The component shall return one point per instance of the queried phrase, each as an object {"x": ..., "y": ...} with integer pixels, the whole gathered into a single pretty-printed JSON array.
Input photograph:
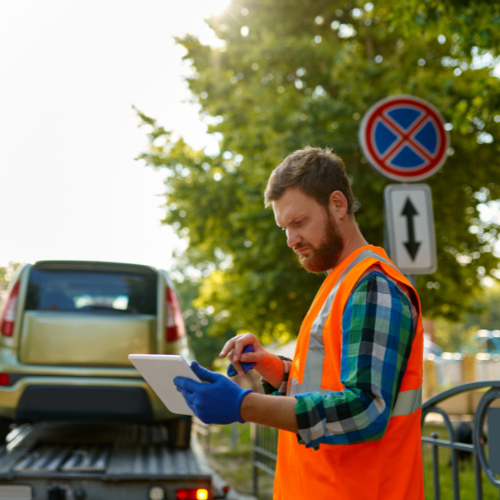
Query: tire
[
  {"x": 4, "y": 429},
  {"x": 179, "y": 432}
]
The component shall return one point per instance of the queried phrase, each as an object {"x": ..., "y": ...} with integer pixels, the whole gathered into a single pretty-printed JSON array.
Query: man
[{"x": 349, "y": 411}]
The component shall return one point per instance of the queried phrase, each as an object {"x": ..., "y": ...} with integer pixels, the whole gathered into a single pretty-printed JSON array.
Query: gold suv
[{"x": 66, "y": 330}]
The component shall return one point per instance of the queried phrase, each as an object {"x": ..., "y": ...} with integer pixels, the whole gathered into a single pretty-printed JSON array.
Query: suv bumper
[
  {"x": 59, "y": 402},
  {"x": 81, "y": 398}
]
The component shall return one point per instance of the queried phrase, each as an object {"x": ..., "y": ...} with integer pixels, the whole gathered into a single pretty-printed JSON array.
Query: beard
[{"x": 325, "y": 256}]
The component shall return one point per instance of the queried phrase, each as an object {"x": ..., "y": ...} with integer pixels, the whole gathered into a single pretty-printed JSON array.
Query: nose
[{"x": 292, "y": 238}]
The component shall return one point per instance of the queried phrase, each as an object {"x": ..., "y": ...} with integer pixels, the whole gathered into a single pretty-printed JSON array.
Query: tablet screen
[{"x": 159, "y": 371}]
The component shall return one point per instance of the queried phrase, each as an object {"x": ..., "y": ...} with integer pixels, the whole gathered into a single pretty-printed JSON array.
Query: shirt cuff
[
  {"x": 281, "y": 391},
  {"x": 308, "y": 418}
]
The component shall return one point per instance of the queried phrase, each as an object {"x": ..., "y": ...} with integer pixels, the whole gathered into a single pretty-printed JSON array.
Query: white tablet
[{"x": 159, "y": 371}]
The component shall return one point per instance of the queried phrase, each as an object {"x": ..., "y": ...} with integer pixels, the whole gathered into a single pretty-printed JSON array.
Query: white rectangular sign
[{"x": 410, "y": 227}]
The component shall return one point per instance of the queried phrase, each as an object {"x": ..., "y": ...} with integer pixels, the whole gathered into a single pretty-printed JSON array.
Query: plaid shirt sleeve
[{"x": 378, "y": 327}]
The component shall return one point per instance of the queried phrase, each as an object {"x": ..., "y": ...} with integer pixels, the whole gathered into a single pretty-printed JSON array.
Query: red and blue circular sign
[{"x": 404, "y": 138}]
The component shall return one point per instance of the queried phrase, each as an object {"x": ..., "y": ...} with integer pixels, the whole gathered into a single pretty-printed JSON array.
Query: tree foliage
[
  {"x": 472, "y": 23},
  {"x": 6, "y": 274},
  {"x": 289, "y": 74},
  {"x": 462, "y": 336},
  {"x": 198, "y": 322}
]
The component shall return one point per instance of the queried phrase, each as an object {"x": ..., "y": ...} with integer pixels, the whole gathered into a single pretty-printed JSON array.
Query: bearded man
[{"x": 348, "y": 404}]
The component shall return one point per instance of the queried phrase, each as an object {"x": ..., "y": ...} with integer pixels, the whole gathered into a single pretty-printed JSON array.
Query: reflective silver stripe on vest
[
  {"x": 407, "y": 403},
  {"x": 313, "y": 371}
]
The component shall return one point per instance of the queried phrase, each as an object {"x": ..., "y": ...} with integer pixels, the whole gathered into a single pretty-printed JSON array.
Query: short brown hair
[{"x": 317, "y": 172}]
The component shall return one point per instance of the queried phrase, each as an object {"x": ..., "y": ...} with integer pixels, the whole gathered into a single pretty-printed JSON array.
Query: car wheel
[
  {"x": 179, "y": 432},
  {"x": 4, "y": 429}
]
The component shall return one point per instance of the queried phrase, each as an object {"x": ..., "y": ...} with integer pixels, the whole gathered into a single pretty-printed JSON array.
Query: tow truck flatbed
[{"x": 71, "y": 461}]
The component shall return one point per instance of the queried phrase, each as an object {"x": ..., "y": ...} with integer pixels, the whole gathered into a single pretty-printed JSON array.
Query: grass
[
  {"x": 466, "y": 472},
  {"x": 233, "y": 462}
]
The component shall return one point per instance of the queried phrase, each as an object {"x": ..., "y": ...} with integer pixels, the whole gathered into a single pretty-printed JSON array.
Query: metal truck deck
[{"x": 100, "y": 461}]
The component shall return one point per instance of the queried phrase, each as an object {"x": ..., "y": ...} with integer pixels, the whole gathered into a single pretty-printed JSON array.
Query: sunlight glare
[{"x": 210, "y": 8}]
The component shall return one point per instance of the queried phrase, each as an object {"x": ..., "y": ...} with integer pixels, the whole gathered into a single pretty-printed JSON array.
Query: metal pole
[
  {"x": 234, "y": 435},
  {"x": 255, "y": 470},
  {"x": 479, "y": 476},
  {"x": 454, "y": 471},
  {"x": 435, "y": 466},
  {"x": 255, "y": 477},
  {"x": 412, "y": 279}
]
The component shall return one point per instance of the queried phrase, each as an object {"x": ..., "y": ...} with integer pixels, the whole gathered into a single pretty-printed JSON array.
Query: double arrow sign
[
  {"x": 410, "y": 228},
  {"x": 412, "y": 245}
]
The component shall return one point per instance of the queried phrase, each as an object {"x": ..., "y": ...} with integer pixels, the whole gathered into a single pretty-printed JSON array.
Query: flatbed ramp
[{"x": 101, "y": 461}]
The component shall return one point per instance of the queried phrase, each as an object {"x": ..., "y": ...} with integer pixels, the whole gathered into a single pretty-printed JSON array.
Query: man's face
[{"x": 311, "y": 230}]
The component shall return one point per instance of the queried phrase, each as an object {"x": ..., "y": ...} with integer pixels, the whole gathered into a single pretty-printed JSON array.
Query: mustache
[{"x": 296, "y": 248}]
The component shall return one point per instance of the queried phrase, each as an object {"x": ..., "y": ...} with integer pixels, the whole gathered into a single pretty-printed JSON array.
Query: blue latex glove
[
  {"x": 217, "y": 402},
  {"x": 231, "y": 370}
]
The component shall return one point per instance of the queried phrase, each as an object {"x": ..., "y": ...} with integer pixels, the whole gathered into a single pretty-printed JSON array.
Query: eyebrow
[{"x": 292, "y": 220}]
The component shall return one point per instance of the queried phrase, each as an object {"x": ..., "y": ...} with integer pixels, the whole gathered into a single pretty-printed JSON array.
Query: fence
[
  {"x": 452, "y": 369},
  {"x": 488, "y": 366},
  {"x": 205, "y": 432},
  {"x": 265, "y": 450},
  {"x": 490, "y": 465},
  {"x": 486, "y": 417}
]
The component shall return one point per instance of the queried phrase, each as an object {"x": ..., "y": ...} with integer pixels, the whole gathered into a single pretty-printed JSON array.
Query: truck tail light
[
  {"x": 4, "y": 379},
  {"x": 174, "y": 328},
  {"x": 9, "y": 312},
  {"x": 192, "y": 494}
]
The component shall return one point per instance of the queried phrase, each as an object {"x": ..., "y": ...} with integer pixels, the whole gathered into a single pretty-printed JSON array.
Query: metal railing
[
  {"x": 490, "y": 466},
  {"x": 203, "y": 431},
  {"x": 265, "y": 441},
  {"x": 265, "y": 452}
]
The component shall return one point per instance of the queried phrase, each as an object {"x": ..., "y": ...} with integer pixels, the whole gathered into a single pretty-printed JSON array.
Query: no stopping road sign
[{"x": 404, "y": 138}]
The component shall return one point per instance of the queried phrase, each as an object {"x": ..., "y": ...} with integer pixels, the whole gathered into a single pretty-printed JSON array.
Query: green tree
[
  {"x": 6, "y": 274},
  {"x": 472, "y": 24},
  {"x": 462, "y": 336},
  {"x": 489, "y": 317},
  {"x": 198, "y": 321},
  {"x": 288, "y": 74},
  {"x": 3, "y": 281}
]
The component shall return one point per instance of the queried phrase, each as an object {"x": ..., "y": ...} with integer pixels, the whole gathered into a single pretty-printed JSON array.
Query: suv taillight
[
  {"x": 193, "y": 494},
  {"x": 9, "y": 312},
  {"x": 174, "y": 328}
]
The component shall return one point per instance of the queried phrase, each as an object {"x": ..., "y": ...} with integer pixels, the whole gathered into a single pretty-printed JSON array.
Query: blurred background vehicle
[
  {"x": 431, "y": 347},
  {"x": 488, "y": 341},
  {"x": 66, "y": 330}
]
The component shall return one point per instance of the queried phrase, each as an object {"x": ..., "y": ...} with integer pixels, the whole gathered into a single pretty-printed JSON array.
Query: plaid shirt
[{"x": 378, "y": 327}]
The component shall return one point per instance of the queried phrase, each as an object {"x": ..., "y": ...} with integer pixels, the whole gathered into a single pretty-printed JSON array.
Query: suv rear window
[{"x": 91, "y": 292}]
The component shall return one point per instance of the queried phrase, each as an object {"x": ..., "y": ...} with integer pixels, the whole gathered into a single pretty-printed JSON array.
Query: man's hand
[
  {"x": 222, "y": 401},
  {"x": 231, "y": 371},
  {"x": 217, "y": 402},
  {"x": 266, "y": 363}
]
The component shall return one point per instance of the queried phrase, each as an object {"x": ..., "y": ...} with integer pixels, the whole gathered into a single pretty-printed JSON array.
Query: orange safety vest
[{"x": 387, "y": 469}]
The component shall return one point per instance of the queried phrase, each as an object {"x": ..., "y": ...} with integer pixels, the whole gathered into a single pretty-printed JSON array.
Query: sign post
[{"x": 404, "y": 139}]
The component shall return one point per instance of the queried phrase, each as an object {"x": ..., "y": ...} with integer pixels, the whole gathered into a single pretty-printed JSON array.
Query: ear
[{"x": 338, "y": 205}]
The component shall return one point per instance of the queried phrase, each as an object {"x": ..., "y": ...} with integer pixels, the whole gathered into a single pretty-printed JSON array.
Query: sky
[{"x": 70, "y": 73}]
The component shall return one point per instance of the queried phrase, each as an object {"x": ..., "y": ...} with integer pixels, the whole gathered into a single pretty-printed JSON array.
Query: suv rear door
[{"x": 89, "y": 314}]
